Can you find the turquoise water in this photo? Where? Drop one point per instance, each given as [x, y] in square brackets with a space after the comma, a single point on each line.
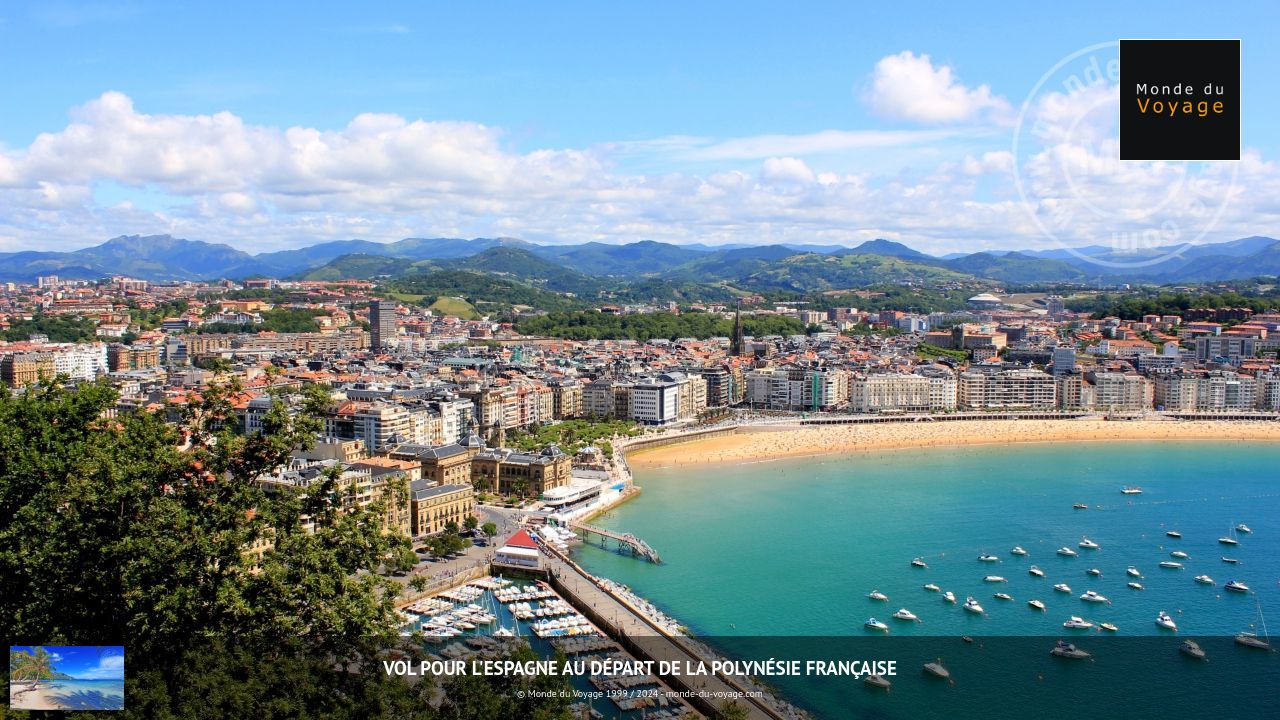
[791, 548]
[88, 694]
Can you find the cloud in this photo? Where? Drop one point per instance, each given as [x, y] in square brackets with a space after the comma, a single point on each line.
[109, 667]
[219, 178]
[909, 87]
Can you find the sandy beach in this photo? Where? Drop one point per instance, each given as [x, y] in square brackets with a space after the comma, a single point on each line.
[20, 698]
[757, 443]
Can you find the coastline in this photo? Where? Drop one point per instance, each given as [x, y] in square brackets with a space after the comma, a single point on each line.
[771, 442]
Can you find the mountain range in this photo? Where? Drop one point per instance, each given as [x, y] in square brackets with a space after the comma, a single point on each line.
[598, 266]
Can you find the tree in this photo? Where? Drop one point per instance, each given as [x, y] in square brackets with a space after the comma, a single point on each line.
[489, 529]
[451, 527]
[403, 559]
[732, 710]
[418, 583]
[470, 523]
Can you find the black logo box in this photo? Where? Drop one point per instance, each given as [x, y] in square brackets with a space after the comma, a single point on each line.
[1160, 77]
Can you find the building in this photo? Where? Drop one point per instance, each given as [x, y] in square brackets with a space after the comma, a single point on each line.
[934, 391]
[1064, 360]
[433, 506]
[798, 388]
[382, 324]
[509, 472]
[21, 369]
[997, 389]
[1234, 349]
[441, 464]
[122, 358]
[520, 550]
[1120, 392]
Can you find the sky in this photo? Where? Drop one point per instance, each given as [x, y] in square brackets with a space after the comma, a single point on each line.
[274, 125]
[84, 662]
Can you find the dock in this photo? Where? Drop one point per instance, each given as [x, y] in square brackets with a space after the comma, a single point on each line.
[638, 547]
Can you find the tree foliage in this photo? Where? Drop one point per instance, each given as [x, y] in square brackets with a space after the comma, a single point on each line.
[649, 326]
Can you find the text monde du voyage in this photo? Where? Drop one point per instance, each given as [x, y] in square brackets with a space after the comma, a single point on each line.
[1180, 99]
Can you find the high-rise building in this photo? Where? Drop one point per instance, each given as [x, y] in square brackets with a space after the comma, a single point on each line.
[382, 323]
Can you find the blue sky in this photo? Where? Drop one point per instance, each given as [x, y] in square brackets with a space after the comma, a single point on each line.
[85, 662]
[608, 116]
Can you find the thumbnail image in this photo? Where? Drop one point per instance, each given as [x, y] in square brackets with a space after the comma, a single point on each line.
[66, 677]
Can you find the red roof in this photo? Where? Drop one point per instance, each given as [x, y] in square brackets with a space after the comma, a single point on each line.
[522, 540]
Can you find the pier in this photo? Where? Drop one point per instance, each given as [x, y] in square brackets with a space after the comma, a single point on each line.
[638, 547]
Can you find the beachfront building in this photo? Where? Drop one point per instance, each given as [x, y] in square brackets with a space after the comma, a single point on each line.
[1232, 348]
[440, 464]
[433, 506]
[778, 388]
[927, 390]
[992, 388]
[1120, 392]
[520, 550]
[607, 397]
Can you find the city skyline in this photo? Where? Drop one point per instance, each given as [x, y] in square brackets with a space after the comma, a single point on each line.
[421, 124]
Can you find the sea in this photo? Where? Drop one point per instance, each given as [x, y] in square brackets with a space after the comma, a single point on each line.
[87, 694]
[776, 559]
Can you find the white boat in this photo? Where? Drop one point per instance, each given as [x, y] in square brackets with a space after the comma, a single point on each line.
[1062, 588]
[1228, 541]
[877, 595]
[1166, 622]
[1094, 572]
[1036, 604]
[988, 558]
[875, 624]
[1127, 490]
[1109, 627]
[1236, 586]
[931, 587]
[1179, 554]
[1173, 534]
[972, 606]
[1077, 623]
[1018, 550]
[905, 614]
[937, 670]
[1204, 579]
[1067, 552]
[1243, 528]
[1088, 544]
[919, 562]
[949, 596]
[1080, 506]
[1036, 571]
[1133, 572]
[1135, 586]
[1003, 596]
[994, 579]
[1091, 596]
[1171, 565]
[877, 681]
[1250, 639]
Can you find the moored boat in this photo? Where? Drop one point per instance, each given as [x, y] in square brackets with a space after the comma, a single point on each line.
[1179, 554]
[937, 670]
[905, 614]
[1069, 651]
[1018, 550]
[1036, 571]
[1192, 649]
[1230, 561]
[1088, 544]
[1062, 588]
[1173, 534]
[1130, 490]
[1243, 528]
[949, 596]
[1095, 572]
[919, 562]
[1077, 623]
[1003, 596]
[1133, 572]
[1204, 580]
[877, 595]
[988, 558]
[1067, 552]
[931, 587]
[1166, 622]
[1135, 586]
[877, 681]
[1236, 586]
[1171, 565]
[1036, 604]
[875, 624]
[994, 579]
[1109, 627]
[971, 605]
[1091, 596]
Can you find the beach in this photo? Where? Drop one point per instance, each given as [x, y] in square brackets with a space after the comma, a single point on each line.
[68, 695]
[766, 442]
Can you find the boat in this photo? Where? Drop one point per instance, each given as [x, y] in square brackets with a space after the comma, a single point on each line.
[1204, 579]
[971, 605]
[1094, 572]
[1077, 623]
[877, 681]
[1135, 586]
[1230, 561]
[1166, 622]
[1243, 528]
[1179, 554]
[905, 614]
[1109, 627]
[875, 624]
[1191, 649]
[1236, 586]
[1133, 572]
[1003, 596]
[949, 596]
[994, 579]
[988, 558]
[1062, 588]
[1171, 565]
[1250, 639]
[1065, 649]
[1018, 550]
[1228, 540]
[1173, 534]
[937, 670]
[1091, 596]
[1127, 490]
[919, 562]
[1036, 604]
[1088, 544]
[877, 595]
[931, 587]
[1080, 506]
[1067, 552]
[1036, 571]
